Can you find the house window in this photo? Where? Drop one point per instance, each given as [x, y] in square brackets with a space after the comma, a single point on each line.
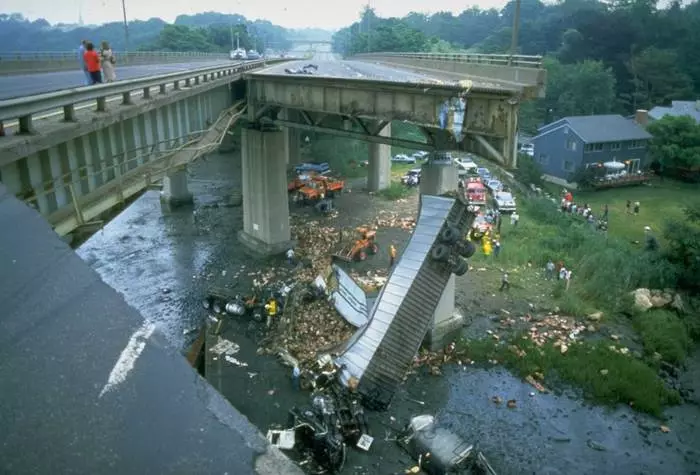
[567, 166]
[637, 144]
[615, 146]
[570, 144]
[543, 159]
[593, 147]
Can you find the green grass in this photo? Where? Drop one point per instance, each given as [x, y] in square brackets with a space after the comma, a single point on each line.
[659, 202]
[627, 380]
[396, 191]
[664, 333]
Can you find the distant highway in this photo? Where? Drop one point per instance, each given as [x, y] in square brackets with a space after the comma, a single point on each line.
[29, 84]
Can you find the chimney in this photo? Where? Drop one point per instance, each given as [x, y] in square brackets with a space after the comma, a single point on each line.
[641, 117]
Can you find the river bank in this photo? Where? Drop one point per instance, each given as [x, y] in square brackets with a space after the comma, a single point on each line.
[163, 262]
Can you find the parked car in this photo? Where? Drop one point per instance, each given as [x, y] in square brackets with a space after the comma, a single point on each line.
[528, 148]
[402, 158]
[320, 168]
[484, 173]
[494, 185]
[252, 54]
[421, 155]
[465, 166]
[505, 202]
[412, 177]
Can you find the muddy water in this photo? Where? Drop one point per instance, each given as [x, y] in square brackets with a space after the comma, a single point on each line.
[162, 261]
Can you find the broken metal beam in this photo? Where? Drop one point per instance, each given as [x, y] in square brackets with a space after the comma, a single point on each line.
[355, 135]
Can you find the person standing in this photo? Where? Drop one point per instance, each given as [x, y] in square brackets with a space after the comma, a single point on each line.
[108, 63]
[514, 219]
[567, 278]
[505, 283]
[549, 270]
[296, 373]
[636, 208]
[290, 257]
[81, 60]
[496, 247]
[605, 212]
[392, 255]
[92, 62]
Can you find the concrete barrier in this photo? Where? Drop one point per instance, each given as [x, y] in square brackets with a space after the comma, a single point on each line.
[45, 62]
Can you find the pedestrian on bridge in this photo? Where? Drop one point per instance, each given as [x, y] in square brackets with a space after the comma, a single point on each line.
[81, 60]
[108, 61]
[92, 62]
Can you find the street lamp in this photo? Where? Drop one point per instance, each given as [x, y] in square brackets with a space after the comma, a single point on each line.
[126, 27]
[516, 26]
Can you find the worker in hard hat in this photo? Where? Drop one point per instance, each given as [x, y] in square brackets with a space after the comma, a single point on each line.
[271, 311]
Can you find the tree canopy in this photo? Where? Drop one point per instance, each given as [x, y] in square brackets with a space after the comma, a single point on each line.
[207, 32]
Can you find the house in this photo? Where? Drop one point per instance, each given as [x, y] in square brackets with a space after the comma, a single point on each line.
[677, 109]
[564, 146]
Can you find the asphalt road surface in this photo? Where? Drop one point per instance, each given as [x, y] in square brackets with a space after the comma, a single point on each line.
[30, 84]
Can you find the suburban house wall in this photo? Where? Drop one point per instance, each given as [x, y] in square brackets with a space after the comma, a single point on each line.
[619, 151]
[559, 152]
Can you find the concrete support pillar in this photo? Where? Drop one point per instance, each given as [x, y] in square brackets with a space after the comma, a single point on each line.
[447, 323]
[379, 170]
[175, 191]
[438, 177]
[292, 143]
[265, 201]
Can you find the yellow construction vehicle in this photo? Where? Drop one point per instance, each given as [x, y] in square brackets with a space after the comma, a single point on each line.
[359, 249]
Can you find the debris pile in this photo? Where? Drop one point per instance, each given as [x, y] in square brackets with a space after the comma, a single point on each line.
[372, 280]
[391, 219]
[316, 243]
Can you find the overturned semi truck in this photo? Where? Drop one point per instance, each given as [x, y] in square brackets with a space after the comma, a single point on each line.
[380, 353]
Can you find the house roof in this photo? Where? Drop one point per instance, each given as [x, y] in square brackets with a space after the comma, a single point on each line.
[677, 109]
[64, 335]
[600, 128]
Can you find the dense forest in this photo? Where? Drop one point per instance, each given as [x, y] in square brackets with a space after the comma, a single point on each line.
[210, 32]
[603, 57]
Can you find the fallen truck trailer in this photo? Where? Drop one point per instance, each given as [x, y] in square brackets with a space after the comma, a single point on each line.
[378, 356]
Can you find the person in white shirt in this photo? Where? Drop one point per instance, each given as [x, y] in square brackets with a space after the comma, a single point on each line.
[290, 257]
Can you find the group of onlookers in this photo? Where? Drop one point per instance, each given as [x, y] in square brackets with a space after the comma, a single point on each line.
[98, 66]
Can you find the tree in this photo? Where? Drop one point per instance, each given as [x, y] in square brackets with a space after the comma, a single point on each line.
[683, 236]
[657, 78]
[676, 142]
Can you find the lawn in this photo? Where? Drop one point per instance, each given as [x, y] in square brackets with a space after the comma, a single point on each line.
[659, 202]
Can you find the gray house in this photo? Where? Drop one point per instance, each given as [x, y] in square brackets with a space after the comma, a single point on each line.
[568, 144]
[677, 109]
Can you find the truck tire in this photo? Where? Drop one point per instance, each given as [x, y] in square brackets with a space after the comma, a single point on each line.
[440, 253]
[449, 235]
[467, 249]
[460, 267]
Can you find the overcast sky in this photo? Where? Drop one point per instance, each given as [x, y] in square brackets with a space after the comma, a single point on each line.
[288, 13]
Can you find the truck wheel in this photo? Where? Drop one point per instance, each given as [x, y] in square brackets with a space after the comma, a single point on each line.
[467, 249]
[449, 235]
[440, 253]
[460, 267]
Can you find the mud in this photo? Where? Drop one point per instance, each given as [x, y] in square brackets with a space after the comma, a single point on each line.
[162, 261]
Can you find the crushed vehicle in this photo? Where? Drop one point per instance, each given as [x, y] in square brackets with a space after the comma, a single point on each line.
[479, 228]
[321, 432]
[412, 177]
[307, 69]
[440, 451]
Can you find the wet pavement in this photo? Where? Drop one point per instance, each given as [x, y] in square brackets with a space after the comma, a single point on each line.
[163, 261]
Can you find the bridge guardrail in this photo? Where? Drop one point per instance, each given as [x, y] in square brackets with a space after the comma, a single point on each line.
[22, 109]
[522, 61]
[73, 55]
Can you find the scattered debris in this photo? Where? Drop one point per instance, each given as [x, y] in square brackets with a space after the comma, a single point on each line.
[225, 347]
[665, 429]
[512, 404]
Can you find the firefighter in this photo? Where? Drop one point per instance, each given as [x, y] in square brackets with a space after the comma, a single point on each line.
[271, 311]
[392, 255]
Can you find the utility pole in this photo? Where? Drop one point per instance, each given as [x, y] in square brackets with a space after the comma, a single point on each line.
[231, 33]
[516, 27]
[369, 27]
[126, 27]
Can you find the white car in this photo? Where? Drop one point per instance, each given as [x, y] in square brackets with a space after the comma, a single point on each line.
[420, 155]
[494, 185]
[505, 202]
[465, 166]
[401, 158]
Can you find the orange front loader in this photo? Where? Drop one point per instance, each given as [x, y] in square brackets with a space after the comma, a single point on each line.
[359, 249]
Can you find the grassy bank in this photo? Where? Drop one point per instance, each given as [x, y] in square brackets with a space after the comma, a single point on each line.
[605, 270]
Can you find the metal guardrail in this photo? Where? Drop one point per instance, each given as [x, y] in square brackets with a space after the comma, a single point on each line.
[123, 56]
[22, 109]
[521, 61]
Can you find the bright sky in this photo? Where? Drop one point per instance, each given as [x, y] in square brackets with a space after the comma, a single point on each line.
[288, 13]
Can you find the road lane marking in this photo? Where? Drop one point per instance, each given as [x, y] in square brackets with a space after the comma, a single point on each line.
[127, 359]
